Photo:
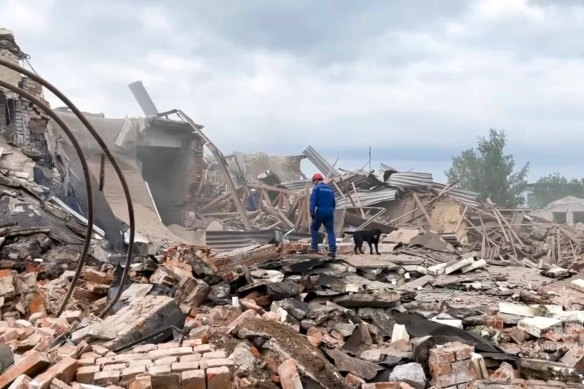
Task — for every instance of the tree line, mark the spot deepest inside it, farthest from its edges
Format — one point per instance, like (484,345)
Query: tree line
(488,170)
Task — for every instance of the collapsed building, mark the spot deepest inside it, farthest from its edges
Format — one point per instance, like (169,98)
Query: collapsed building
(463,295)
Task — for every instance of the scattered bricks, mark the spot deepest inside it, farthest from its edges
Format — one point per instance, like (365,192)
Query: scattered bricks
(289,377)
(9,335)
(95,276)
(86,361)
(193,379)
(354,381)
(32,364)
(179,367)
(506,372)
(58,384)
(574,358)
(519,336)
(7,284)
(315,336)
(166,361)
(85,374)
(169,352)
(72,316)
(495,321)
(190,358)
(141,382)
(105,378)
(218,377)
(144,348)
(381,385)
(99,289)
(130,373)
(235,323)
(115,366)
(22,382)
(215,354)
(64,370)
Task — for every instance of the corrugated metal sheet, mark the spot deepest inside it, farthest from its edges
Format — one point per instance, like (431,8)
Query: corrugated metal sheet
(466,197)
(410,180)
(320,162)
(368,198)
(296,185)
(230,240)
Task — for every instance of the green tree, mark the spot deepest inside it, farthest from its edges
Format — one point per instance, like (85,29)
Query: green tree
(490,172)
(553,187)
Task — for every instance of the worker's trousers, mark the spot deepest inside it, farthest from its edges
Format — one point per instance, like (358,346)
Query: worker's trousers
(328,219)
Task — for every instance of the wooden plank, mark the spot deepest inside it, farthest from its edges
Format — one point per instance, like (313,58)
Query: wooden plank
(426,215)
(358,200)
(215,202)
(273,189)
(515,235)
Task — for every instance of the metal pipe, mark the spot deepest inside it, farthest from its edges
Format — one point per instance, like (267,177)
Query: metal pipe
(110,157)
(85,169)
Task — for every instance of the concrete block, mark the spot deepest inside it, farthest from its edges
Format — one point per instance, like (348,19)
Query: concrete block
(457,265)
(410,373)
(480,264)
(399,333)
(537,326)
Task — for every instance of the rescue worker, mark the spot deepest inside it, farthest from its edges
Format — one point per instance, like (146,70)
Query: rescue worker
(252,201)
(322,211)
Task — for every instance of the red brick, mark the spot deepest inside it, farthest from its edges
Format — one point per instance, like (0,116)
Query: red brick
(218,378)
(289,377)
(204,348)
(169,352)
(244,316)
(205,364)
(115,366)
(440,368)
(215,354)
(130,372)
(166,381)
(179,367)
(85,374)
(191,358)
(166,361)
(144,348)
(141,382)
(381,385)
(354,381)
(192,342)
(193,379)
(58,384)
(32,364)
(86,361)
(22,382)
(141,362)
(63,370)
(105,378)
(98,277)
(462,366)
(442,357)
(156,370)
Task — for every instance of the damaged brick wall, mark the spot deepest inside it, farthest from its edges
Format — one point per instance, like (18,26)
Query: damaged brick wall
(195,186)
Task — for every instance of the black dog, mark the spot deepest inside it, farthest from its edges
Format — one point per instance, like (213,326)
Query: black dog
(370,236)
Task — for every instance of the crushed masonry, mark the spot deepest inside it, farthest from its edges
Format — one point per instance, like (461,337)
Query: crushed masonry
(223,290)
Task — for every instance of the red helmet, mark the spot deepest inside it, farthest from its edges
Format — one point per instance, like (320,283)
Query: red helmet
(317,177)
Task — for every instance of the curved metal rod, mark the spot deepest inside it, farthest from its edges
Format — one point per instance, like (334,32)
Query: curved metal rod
(111,159)
(85,168)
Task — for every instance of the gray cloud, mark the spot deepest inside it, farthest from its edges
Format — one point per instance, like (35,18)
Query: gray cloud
(418,81)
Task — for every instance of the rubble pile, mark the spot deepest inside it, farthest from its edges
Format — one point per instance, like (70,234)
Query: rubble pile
(462,295)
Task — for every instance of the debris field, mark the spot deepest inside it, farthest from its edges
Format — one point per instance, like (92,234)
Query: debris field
(223,292)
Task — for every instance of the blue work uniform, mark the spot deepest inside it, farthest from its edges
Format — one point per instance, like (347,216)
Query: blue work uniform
(322,210)
(252,203)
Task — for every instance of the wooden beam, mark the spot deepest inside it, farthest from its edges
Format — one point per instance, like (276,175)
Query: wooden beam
(426,215)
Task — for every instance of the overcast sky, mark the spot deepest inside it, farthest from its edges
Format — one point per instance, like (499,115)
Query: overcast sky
(418,81)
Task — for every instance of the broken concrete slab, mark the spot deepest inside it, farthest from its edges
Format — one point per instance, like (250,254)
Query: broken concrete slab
(410,373)
(346,363)
(357,300)
(457,265)
(480,264)
(518,309)
(578,285)
(538,325)
(360,339)
(546,370)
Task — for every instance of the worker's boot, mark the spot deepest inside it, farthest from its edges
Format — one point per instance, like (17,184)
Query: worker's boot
(312,251)
(332,254)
